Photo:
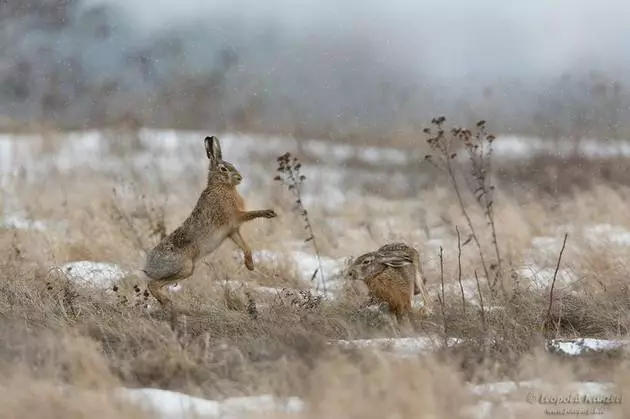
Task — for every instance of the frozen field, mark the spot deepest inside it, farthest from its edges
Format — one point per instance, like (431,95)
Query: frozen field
(67,193)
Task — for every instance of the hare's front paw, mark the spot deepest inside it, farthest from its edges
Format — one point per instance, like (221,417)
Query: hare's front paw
(269,213)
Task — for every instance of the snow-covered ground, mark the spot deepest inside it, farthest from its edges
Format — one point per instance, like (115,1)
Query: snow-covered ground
(176,152)
(166,404)
(419,345)
(398,346)
(574,347)
(505,399)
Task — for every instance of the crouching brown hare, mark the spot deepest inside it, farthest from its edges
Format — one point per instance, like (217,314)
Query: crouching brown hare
(399,254)
(392,275)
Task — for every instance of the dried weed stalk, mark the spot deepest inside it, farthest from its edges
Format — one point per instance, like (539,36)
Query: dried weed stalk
(459,268)
(548,319)
(442,298)
(478,147)
(289,167)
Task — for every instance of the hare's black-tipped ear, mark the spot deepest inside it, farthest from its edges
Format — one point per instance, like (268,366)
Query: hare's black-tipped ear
(213,148)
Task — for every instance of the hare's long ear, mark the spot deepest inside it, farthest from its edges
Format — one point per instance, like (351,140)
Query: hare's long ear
(213,149)
(395,261)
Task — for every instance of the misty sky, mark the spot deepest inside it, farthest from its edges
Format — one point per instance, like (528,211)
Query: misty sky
(317,65)
(448,38)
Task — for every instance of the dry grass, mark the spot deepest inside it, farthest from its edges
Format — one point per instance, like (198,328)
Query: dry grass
(57,332)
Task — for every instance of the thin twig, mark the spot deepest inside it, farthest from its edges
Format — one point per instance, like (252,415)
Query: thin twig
(442,299)
(459,268)
(483,310)
(555,275)
(462,207)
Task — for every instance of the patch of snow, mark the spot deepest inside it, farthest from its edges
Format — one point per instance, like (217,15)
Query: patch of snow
(175,287)
(234,285)
(607,233)
(521,147)
(471,294)
(342,152)
(19,222)
(582,346)
(306,264)
(546,244)
(267,290)
(543,278)
(103,275)
(173,405)
(503,388)
(375,155)
(96,274)
(596,234)
(400,346)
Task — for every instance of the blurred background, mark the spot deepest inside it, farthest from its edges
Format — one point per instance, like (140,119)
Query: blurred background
(369,69)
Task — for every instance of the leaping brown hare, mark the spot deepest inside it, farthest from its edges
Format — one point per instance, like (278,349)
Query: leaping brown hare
(392,275)
(218,215)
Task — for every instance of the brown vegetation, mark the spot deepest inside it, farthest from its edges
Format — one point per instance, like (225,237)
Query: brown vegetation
(241,340)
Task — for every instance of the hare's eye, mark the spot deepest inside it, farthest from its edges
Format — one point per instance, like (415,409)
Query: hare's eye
(224,169)
(366,261)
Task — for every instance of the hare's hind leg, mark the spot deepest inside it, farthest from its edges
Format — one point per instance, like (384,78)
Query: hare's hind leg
(156,286)
(236,237)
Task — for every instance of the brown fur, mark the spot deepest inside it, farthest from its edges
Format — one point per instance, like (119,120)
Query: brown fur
(218,215)
(388,253)
(394,287)
(391,275)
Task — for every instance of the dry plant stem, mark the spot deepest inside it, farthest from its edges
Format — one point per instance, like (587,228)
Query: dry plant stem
(462,207)
(441,298)
(480,160)
(290,166)
(482,171)
(459,268)
(490,214)
(483,310)
(555,275)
